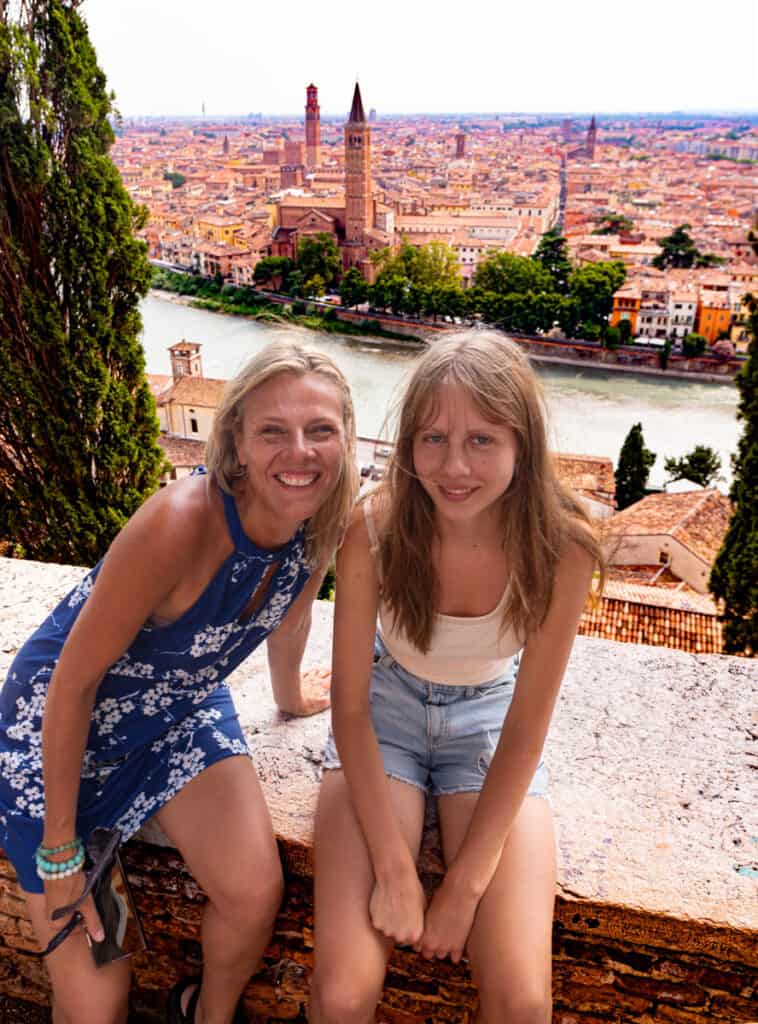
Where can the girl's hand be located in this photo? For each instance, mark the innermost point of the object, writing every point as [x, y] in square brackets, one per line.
[64, 891]
[397, 907]
[314, 693]
[448, 924]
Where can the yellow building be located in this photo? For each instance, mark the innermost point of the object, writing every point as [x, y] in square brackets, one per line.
[713, 315]
[218, 229]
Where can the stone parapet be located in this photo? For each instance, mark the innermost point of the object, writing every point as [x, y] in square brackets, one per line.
[652, 760]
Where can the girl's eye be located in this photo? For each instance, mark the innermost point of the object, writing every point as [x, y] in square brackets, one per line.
[272, 431]
[433, 438]
[323, 430]
[481, 440]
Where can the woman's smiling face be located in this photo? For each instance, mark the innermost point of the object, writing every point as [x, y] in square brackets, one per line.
[291, 439]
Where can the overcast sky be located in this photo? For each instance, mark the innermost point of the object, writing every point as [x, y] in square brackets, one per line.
[241, 56]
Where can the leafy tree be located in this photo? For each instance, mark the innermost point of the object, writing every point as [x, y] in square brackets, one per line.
[505, 273]
[592, 287]
[272, 270]
[176, 179]
[635, 462]
[694, 344]
[78, 429]
[552, 253]
[734, 578]
[702, 466]
[318, 255]
[614, 224]
[679, 250]
[612, 338]
[433, 265]
[665, 353]
[353, 288]
[315, 286]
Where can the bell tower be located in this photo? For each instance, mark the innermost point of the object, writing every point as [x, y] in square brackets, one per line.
[359, 205]
[312, 127]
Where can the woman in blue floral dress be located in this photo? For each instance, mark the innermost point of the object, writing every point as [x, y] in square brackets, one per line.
[116, 709]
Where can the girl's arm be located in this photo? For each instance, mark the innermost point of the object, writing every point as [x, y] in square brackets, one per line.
[397, 902]
[296, 693]
[514, 763]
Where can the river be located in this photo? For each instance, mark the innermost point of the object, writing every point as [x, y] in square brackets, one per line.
[591, 409]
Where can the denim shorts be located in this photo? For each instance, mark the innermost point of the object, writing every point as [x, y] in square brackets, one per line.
[436, 736]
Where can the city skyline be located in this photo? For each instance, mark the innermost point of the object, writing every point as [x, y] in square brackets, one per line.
[171, 60]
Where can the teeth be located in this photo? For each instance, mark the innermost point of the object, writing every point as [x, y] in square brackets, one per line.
[296, 481]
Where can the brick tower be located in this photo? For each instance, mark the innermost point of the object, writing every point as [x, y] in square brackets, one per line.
[359, 205]
[312, 127]
[591, 135]
[460, 145]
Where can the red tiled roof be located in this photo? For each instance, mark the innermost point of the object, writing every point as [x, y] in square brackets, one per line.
[698, 519]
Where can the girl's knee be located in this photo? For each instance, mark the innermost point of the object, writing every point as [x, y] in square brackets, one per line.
[251, 900]
[343, 996]
[509, 1005]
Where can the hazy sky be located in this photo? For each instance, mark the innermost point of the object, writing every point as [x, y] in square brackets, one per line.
[241, 56]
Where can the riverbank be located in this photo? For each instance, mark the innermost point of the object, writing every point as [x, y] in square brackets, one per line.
[202, 293]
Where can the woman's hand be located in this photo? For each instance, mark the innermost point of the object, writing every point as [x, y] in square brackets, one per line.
[397, 907]
[64, 891]
[314, 693]
[448, 923]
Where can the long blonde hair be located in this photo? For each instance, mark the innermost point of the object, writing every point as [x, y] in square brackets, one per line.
[539, 515]
[325, 528]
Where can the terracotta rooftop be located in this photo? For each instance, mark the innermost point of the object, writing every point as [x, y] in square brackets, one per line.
[201, 391]
[589, 474]
[697, 519]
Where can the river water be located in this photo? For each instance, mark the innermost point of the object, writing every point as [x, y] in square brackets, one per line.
[592, 410]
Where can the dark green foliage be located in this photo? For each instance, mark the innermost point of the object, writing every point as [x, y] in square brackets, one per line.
[353, 288]
[665, 353]
[505, 274]
[328, 584]
[614, 224]
[635, 462]
[552, 254]
[318, 256]
[592, 288]
[78, 429]
[694, 345]
[702, 466]
[273, 270]
[679, 250]
[734, 579]
[612, 338]
[176, 179]
[625, 331]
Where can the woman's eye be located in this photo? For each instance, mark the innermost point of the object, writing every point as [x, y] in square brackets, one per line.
[323, 430]
[272, 432]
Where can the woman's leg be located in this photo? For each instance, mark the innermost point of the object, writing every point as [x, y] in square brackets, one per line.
[82, 993]
[220, 823]
[351, 956]
[510, 943]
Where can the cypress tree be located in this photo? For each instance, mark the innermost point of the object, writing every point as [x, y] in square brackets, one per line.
[633, 468]
[734, 578]
[78, 429]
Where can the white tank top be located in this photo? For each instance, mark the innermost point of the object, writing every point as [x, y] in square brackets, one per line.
[464, 651]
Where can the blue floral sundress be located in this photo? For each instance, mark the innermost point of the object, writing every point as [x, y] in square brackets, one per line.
[162, 713]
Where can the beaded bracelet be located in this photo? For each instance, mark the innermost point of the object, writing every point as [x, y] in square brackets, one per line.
[49, 870]
[48, 851]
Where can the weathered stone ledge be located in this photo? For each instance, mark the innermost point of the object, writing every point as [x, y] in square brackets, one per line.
[652, 760]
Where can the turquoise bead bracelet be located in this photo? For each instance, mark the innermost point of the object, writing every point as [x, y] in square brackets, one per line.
[51, 869]
[48, 851]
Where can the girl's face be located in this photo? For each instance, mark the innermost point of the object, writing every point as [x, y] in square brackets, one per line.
[463, 460]
[292, 441]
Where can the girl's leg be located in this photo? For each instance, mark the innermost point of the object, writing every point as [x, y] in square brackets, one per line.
[350, 955]
[510, 943]
[220, 823]
[82, 993]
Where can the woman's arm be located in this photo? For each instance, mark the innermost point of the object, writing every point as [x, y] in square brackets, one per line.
[515, 760]
[397, 903]
[296, 693]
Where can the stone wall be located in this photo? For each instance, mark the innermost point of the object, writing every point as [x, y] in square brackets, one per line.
[652, 762]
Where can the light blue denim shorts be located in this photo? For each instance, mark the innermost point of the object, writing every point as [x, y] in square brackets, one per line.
[435, 736]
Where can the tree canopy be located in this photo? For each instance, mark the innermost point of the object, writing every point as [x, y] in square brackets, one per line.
[679, 250]
[78, 429]
[633, 470]
[318, 256]
[552, 254]
[504, 273]
[734, 578]
[702, 466]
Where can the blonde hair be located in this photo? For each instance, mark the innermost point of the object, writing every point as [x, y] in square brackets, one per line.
[325, 528]
[539, 515]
